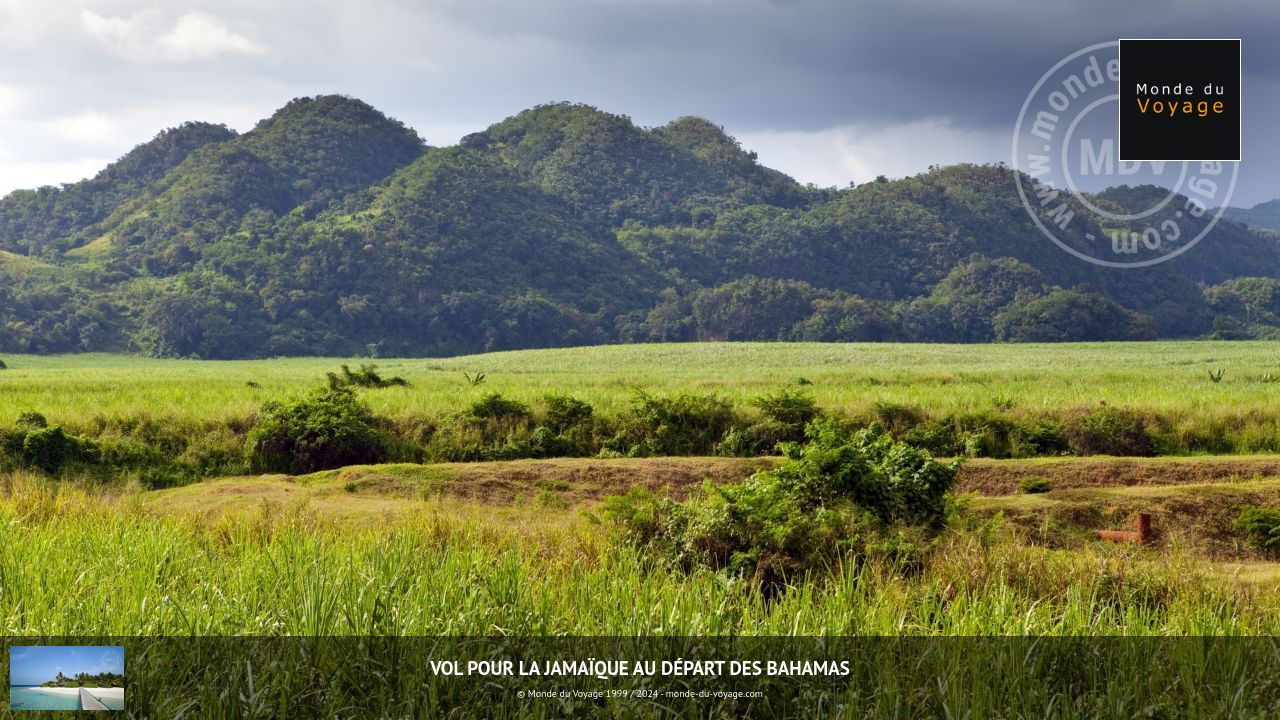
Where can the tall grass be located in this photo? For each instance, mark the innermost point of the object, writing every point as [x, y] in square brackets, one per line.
[198, 411]
[74, 561]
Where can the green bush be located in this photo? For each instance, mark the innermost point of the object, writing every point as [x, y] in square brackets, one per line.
[366, 377]
[50, 448]
[898, 417]
[11, 446]
[495, 407]
[32, 420]
[1043, 436]
[840, 492]
[785, 415]
[1035, 484]
[565, 413]
[761, 438]
[1109, 431]
[1260, 527]
[789, 407]
[684, 424]
[985, 434]
[327, 429]
[34, 443]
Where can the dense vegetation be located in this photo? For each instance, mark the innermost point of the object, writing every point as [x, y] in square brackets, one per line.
[855, 532]
[331, 229]
[839, 494]
[433, 569]
[83, 679]
[167, 422]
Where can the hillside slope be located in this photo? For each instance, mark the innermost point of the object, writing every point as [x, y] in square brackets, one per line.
[331, 229]
[1264, 215]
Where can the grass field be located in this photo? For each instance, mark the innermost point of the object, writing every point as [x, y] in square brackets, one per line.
[268, 556]
[1171, 377]
[461, 578]
[520, 548]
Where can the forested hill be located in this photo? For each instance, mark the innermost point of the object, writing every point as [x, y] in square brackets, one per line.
[1263, 215]
[331, 229]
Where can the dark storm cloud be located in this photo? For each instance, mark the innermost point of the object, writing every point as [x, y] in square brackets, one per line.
[810, 65]
[80, 82]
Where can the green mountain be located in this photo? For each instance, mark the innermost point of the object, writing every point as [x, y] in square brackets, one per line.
[331, 229]
[31, 220]
[1263, 215]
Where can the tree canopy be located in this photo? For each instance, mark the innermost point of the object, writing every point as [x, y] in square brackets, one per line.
[330, 228]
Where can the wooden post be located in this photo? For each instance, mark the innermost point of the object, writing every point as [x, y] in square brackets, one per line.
[1144, 528]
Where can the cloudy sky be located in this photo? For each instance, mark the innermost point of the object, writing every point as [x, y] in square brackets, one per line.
[830, 91]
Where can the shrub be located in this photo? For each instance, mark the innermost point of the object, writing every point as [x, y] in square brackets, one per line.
[495, 407]
[366, 376]
[3, 366]
[11, 446]
[788, 406]
[985, 434]
[49, 448]
[1035, 484]
[760, 438]
[328, 429]
[785, 415]
[684, 424]
[837, 493]
[1043, 436]
[544, 442]
[1109, 431]
[32, 420]
[565, 413]
[1260, 527]
[898, 417]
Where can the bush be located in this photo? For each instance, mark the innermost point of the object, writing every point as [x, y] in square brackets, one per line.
[33, 443]
[1109, 431]
[898, 417]
[328, 429]
[786, 413]
[366, 377]
[1035, 484]
[1043, 436]
[565, 413]
[684, 424]
[760, 438]
[495, 407]
[11, 446]
[985, 434]
[1260, 527]
[50, 448]
[838, 493]
[3, 366]
[32, 420]
[789, 407]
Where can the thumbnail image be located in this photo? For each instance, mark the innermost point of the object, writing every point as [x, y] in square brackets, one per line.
[66, 677]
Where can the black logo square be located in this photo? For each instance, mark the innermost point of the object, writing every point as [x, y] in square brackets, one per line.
[1179, 100]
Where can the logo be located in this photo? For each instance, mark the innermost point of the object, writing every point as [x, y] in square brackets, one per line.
[1101, 209]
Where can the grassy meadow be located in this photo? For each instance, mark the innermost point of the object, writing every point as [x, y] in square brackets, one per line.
[520, 547]
[1169, 377]
[78, 561]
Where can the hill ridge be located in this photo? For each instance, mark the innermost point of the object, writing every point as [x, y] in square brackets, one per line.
[330, 228]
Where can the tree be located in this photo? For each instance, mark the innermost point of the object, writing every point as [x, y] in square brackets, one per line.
[1071, 315]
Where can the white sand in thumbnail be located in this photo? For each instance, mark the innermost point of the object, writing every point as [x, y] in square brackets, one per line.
[110, 693]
